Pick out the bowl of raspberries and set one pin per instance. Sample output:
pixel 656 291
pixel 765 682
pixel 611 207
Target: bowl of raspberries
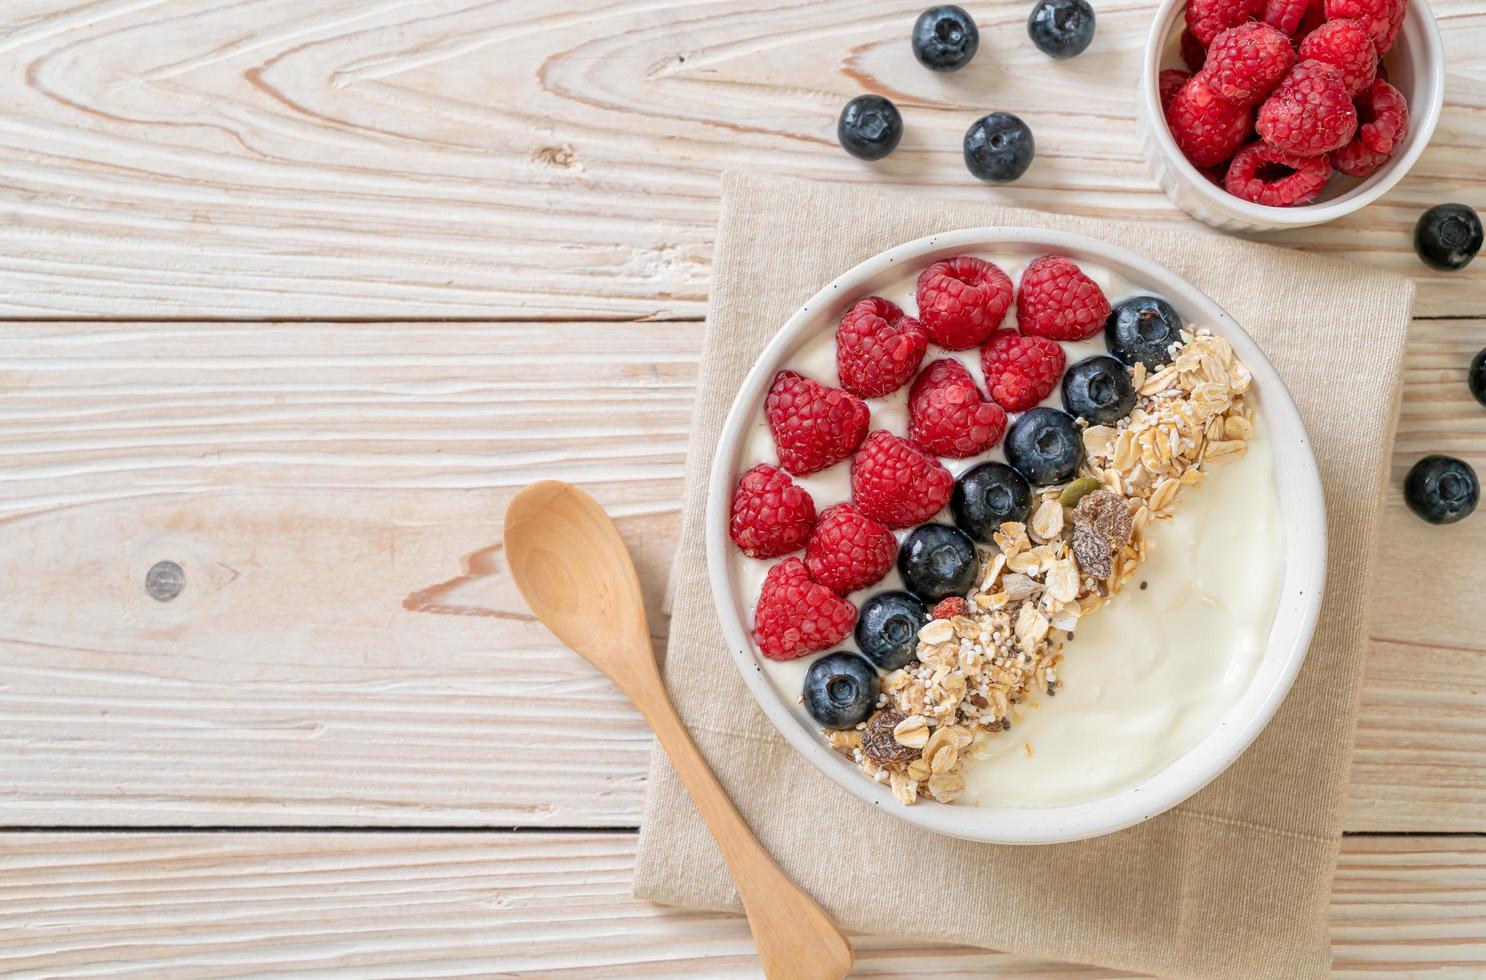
pixel 1264 114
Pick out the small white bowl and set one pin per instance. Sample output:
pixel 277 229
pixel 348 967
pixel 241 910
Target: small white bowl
pixel 1303 517
pixel 1416 67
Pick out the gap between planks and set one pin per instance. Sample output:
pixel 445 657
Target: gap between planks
pixel 401 320
pixel 84 829
pixel 416 321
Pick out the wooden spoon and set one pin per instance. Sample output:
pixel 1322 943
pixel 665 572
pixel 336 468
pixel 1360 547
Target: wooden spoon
pixel 572 567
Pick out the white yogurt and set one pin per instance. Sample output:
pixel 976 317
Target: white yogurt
pixel 1150 673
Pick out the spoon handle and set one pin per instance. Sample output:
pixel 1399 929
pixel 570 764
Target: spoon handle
pixel 796 939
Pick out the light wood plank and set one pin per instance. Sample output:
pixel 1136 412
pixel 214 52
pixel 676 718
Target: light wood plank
pixel 406 905
pixel 1422 731
pixel 349 649
pixel 359 158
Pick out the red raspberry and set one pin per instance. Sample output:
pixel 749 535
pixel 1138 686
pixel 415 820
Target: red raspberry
pixel 1344 45
pixel 1266 175
pixel 1021 371
pixel 1382 18
pixel 949 608
pixel 1206 19
pixel 1194 52
pixel 896 482
pixel 1246 61
pixel 814 426
pixel 961 300
pixel 877 348
pixel 1310 113
pixel 1285 15
pixel 947 414
pixel 1356 159
pixel 796 616
pixel 1382 118
pixel 1206 129
pixel 1056 300
pixel 849 551
pixel 772 516
pixel 1169 81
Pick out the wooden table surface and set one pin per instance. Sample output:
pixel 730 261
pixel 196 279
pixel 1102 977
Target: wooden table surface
pixel 297 294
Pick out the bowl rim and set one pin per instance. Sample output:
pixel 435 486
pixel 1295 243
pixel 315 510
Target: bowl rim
pixel 1180 778
pixel 1422 126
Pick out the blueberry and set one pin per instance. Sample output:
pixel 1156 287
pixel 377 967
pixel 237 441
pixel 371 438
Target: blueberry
pixel 1061 28
pixel 1475 379
pixel 945 38
pixel 887 629
pixel 1142 328
pixel 1045 446
pixel 987 496
pixel 1448 236
pixel 1098 390
pixel 938 561
pixel 869 127
pixel 840 690
pixel 998 148
pixel 1441 489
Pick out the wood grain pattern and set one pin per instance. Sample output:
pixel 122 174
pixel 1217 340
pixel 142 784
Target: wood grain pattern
pixel 400 905
pixel 369 158
pixel 349 647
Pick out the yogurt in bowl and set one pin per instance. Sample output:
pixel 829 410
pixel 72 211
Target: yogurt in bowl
pixel 1127 703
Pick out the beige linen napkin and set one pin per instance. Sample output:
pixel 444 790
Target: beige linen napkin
pixel 1233 883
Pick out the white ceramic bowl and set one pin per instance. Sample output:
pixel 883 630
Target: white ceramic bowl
pixel 1416 67
pixel 1302 513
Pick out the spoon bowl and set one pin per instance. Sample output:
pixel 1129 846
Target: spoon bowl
pixel 575 573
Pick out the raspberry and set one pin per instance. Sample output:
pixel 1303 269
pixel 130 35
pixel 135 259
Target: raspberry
pixel 1056 300
pixel 1021 371
pixel 1246 61
pixel 1265 175
pixel 949 608
pixel 1382 117
pixel 896 482
pixel 961 300
pixel 1194 52
pixel 771 515
pixel 1208 18
pixel 1169 81
pixel 1310 113
pixel 1356 159
pixel 796 616
pixel 947 414
pixel 1382 18
pixel 849 551
pixel 813 426
pixel 1344 45
pixel 1206 129
pixel 877 348
pixel 1285 15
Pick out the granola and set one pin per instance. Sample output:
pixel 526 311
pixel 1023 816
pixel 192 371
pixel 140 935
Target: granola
pixel 977 673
